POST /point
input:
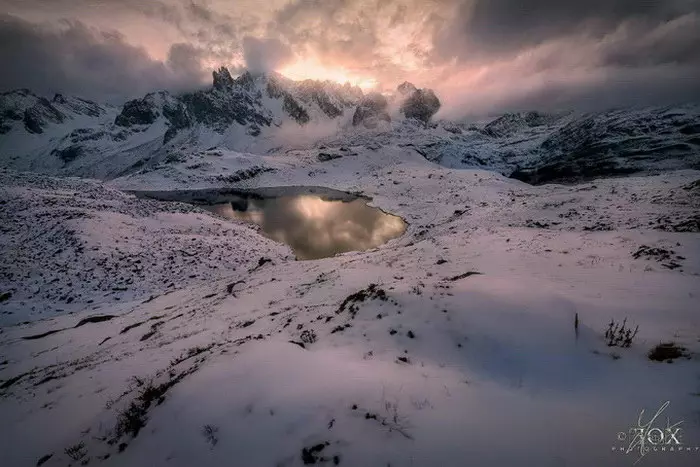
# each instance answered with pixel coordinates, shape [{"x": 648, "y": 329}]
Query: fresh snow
[
  {"x": 494, "y": 373},
  {"x": 454, "y": 344}
]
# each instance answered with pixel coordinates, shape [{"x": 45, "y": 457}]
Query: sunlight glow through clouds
[{"x": 313, "y": 69}]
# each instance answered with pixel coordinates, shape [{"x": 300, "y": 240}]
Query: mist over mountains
[{"x": 265, "y": 112}]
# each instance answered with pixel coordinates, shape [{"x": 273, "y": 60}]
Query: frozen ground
[{"x": 146, "y": 333}]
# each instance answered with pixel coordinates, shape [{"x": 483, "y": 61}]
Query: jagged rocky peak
[
  {"x": 40, "y": 114},
  {"x": 142, "y": 111},
  {"x": 246, "y": 80},
  {"x": 419, "y": 104},
  {"x": 34, "y": 111},
  {"x": 371, "y": 111},
  {"x": 222, "y": 78},
  {"x": 276, "y": 87}
]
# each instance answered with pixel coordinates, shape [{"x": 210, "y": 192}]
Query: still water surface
[
  {"x": 316, "y": 222},
  {"x": 315, "y": 227}
]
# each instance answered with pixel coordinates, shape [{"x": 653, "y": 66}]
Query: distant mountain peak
[
  {"x": 419, "y": 104},
  {"x": 222, "y": 78}
]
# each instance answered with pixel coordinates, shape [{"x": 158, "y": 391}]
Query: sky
[{"x": 480, "y": 56}]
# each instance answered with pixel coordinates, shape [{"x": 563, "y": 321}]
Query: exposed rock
[
  {"x": 32, "y": 123},
  {"x": 222, "y": 78},
  {"x": 68, "y": 154},
  {"x": 420, "y": 104},
  {"x": 371, "y": 111},
  {"x": 612, "y": 144},
  {"x": 253, "y": 130},
  {"x": 318, "y": 92},
  {"x": 294, "y": 110},
  {"x": 327, "y": 156},
  {"x": 246, "y": 81},
  {"x": 137, "y": 112},
  {"x": 40, "y": 114},
  {"x": 178, "y": 118},
  {"x": 511, "y": 123},
  {"x": 221, "y": 110}
]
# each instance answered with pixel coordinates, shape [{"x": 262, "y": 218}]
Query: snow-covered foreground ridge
[{"x": 144, "y": 333}]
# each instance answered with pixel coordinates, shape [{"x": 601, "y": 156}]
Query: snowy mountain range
[
  {"x": 262, "y": 113},
  {"x": 79, "y": 137}
]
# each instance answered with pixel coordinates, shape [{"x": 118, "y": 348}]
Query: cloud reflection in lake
[{"x": 317, "y": 228}]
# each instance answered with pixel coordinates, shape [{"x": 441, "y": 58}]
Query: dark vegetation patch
[
  {"x": 313, "y": 454},
  {"x": 76, "y": 452},
  {"x": 341, "y": 328},
  {"x": 619, "y": 335},
  {"x": 153, "y": 330},
  {"x": 308, "y": 336},
  {"x": 691, "y": 224},
  {"x": 390, "y": 418},
  {"x": 13, "y": 380},
  {"x": 598, "y": 227},
  {"x": 244, "y": 174},
  {"x": 210, "y": 433},
  {"x": 327, "y": 156},
  {"x": 43, "y": 334},
  {"x": 667, "y": 352},
  {"x": 300, "y": 344},
  {"x": 42, "y": 460},
  {"x": 191, "y": 352},
  {"x": 668, "y": 258},
  {"x": 94, "y": 319},
  {"x": 137, "y": 324},
  {"x": 351, "y": 302},
  {"x": 532, "y": 224},
  {"x": 133, "y": 418},
  {"x": 229, "y": 287},
  {"x": 463, "y": 276}
]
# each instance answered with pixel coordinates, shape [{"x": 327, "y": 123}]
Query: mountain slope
[
  {"x": 552, "y": 148},
  {"x": 71, "y": 136}
]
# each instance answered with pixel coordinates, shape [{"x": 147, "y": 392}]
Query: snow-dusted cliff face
[
  {"x": 78, "y": 137},
  {"x": 542, "y": 148}
]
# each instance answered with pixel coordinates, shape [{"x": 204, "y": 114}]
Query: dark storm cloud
[
  {"x": 76, "y": 59},
  {"x": 547, "y": 54},
  {"x": 194, "y": 19},
  {"x": 673, "y": 42},
  {"x": 480, "y": 55},
  {"x": 490, "y": 27}
]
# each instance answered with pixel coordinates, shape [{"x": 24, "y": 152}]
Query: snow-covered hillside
[{"x": 161, "y": 335}]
